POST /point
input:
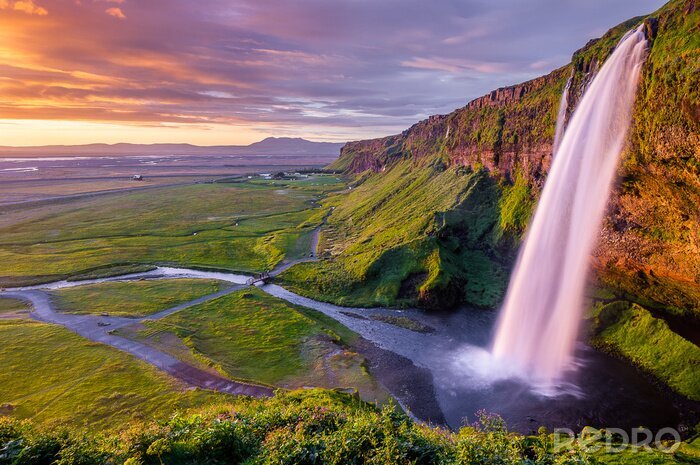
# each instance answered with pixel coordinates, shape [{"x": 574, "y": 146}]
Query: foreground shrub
[{"x": 311, "y": 427}]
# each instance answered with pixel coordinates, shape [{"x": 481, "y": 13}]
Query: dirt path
[{"x": 313, "y": 255}]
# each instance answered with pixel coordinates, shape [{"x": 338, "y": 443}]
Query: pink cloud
[
  {"x": 25, "y": 6},
  {"x": 116, "y": 12},
  {"x": 453, "y": 65}
]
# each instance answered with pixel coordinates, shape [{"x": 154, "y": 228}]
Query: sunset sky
[{"x": 230, "y": 72}]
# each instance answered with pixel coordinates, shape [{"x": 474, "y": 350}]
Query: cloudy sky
[{"x": 227, "y": 72}]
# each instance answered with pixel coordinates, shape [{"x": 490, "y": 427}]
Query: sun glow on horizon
[{"x": 25, "y": 133}]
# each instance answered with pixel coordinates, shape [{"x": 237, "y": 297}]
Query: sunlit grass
[
  {"x": 12, "y": 305},
  {"x": 238, "y": 226},
  {"x": 132, "y": 298},
  {"x": 250, "y": 335},
  {"x": 52, "y": 375},
  {"x": 630, "y": 331}
]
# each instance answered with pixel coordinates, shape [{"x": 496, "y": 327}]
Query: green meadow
[
  {"x": 132, "y": 298},
  {"x": 241, "y": 226},
  {"x": 53, "y": 376},
  {"x": 12, "y": 306},
  {"x": 313, "y": 427},
  {"x": 252, "y": 336}
]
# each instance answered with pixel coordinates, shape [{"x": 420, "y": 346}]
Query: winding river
[{"x": 602, "y": 392}]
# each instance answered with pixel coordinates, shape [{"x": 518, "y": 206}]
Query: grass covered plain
[
  {"x": 53, "y": 376},
  {"x": 250, "y": 335},
  {"x": 132, "y": 298},
  {"x": 239, "y": 226},
  {"x": 13, "y": 306},
  {"x": 307, "y": 427}
]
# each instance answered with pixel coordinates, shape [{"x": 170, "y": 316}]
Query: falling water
[
  {"x": 540, "y": 318},
  {"x": 561, "y": 114}
]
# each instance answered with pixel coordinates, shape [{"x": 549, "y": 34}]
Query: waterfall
[
  {"x": 561, "y": 114},
  {"x": 539, "y": 322}
]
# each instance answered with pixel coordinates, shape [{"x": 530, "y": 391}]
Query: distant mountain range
[{"x": 278, "y": 146}]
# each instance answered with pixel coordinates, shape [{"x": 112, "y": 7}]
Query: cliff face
[
  {"x": 507, "y": 130},
  {"x": 501, "y": 144},
  {"x": 650, "y": 244}
]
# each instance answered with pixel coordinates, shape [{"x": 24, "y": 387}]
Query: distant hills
[{"x": 278, "y": 146}]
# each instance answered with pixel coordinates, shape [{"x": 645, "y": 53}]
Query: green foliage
[
  {"x": 298, "y": 428},
  {"x": 132, "y": 298},
  {"x": 631, "y": 332}
]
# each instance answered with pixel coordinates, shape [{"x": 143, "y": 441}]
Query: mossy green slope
[
  {"x": 631, "y": 332},
  {"x": 392, "y": 240}
]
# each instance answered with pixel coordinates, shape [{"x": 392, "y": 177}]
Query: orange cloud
[
  {"x": 116, "y": 12},
  {"x": 29, "y": 7}
]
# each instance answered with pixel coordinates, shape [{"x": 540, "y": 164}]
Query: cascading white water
[
  {"x": 540, "y": 318},
  {"x": 561, "y": 114}
]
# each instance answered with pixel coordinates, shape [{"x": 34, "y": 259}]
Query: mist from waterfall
[{"x": 539, "y": 322}]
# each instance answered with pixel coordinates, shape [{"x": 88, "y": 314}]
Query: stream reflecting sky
[{"x": 218, "y": 72}]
